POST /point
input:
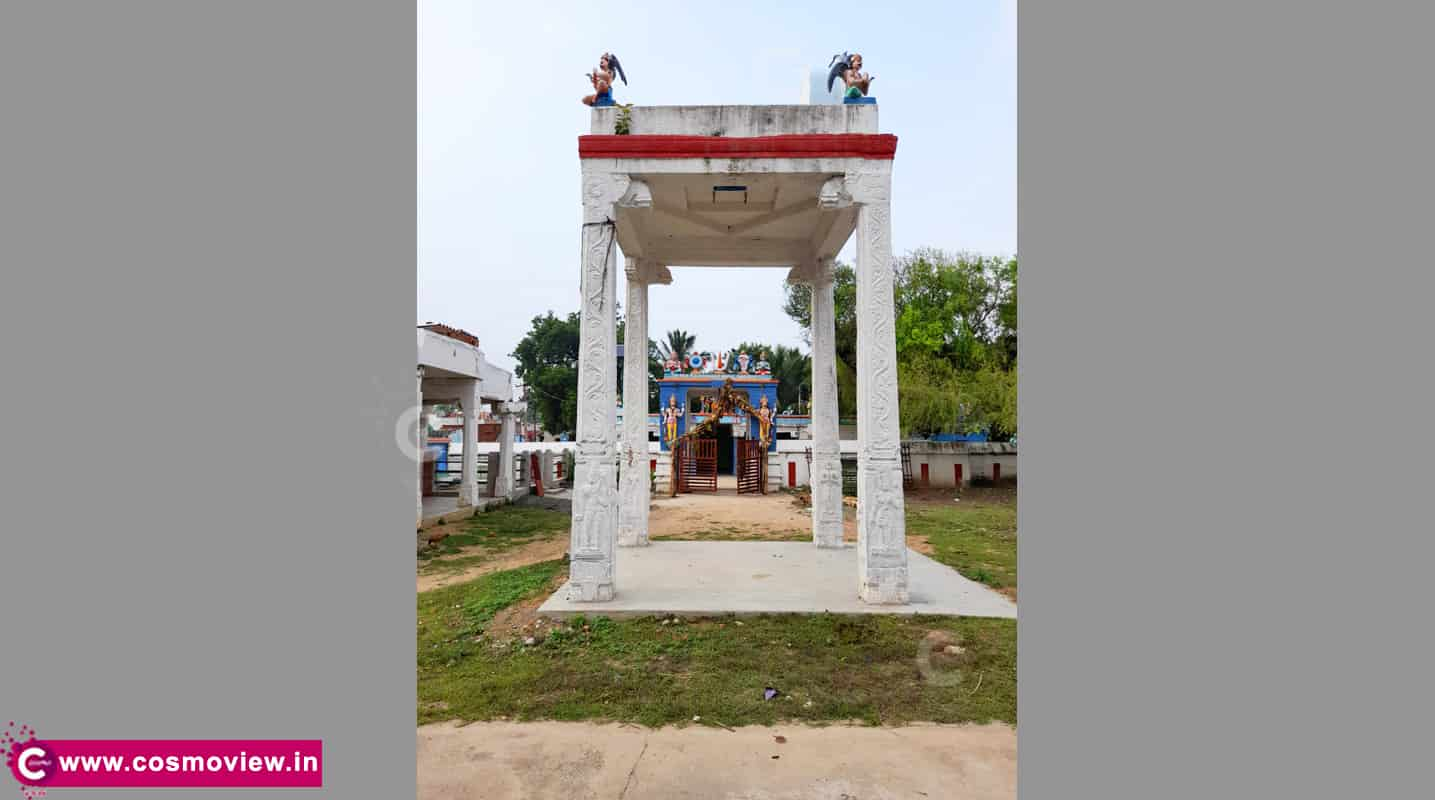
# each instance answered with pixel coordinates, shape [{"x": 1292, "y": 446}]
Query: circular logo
[{"x": 34, "y": 763}]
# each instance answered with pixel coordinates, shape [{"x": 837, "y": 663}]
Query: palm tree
[
  {"x": 792, "y": 369},
  {"x": 678, "y": 344}
]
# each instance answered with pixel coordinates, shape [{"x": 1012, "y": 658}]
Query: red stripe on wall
[{"x": 881, "y": 146}]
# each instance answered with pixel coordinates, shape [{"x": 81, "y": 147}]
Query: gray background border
[
  {"x": 1222, "y": 208},
  {"x": 209, "y": 280}
]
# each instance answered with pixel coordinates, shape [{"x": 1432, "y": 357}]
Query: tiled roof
[{"x": 452, "y": 333}]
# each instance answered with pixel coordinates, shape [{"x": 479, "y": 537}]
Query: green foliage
[
  {"x": 790, "y": 367},
  {"x": 955, "y": 326},
  {"x": 677, "y": 344},
  {"x": 623, "y": 126},
  {"x": 548, "y": 363}
]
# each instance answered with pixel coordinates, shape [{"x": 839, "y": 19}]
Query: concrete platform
[{"x": 715, "y": 578}]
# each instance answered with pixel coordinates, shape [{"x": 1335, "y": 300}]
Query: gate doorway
[
  {"x": 751, "y": 458},
  {"x": 697, "y": 465},
  {"x": 725, "y": 450}
]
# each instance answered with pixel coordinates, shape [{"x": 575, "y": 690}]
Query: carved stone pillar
[
  {"x": 468, "y": 492},
  {"x": 881, "y": 515},
  {"x": 633, "y": 476},
  {"x": 826, "y": 477},
  {"x": 595, "y": 491},
  {"x": 503, "y": 487}
]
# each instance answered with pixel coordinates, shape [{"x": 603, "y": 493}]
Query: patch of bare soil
[
  {"x": 521, "y": 620},
  {"x": 520, "y": 556},
  {"x": 727, "y": 513}
]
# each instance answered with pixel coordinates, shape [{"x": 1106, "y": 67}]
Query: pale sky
[{"x": 499, "y": 116}]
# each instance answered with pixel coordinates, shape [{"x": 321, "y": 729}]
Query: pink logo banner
[{"x": 167, "y": 763}]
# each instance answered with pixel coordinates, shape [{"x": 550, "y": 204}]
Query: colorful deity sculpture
[
  {"x": 670, "y": 419},
  {"x": 762, "y": 367},
  {"x": 602, "y": 80},
  {"x": 848, "y": 67},
  {"x": 764, "y": 420},
  {"x": 743, "y": 360},
  {"x": 671, "y": 366}
]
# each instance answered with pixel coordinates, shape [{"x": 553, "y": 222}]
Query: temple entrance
[{"x": 725, "y": 450}]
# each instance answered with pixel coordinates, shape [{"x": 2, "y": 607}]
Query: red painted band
[{"x": 881, "y": 146}]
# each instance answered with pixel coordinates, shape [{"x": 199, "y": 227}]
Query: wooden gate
[
  {"x": 906, "y": 466},
  {"x": 750, "y": 457},
  {"x": 697, "y": 461}
]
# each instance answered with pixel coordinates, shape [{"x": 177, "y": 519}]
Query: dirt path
[
  {"x": 510, "y": 760},
  {"x": 531, "y": 553}
]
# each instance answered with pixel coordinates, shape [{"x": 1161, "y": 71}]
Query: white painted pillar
[
  {"x": 634, "y": 492},
  {"x": 468, "y": 493},
  {"x": 595, "y": 489},
  {"x": 506, "y": 430},
  {"x": 419, "y": 440},
  {"x": 881, "y": 514},
  {"x": 826, "y": 477}
]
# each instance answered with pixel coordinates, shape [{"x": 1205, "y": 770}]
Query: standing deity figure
[
  {"x": 743, "y": 359},
  {"x": 764, "y": 420},
  {"x": 762, "y": 367},
  {"x": 670, "y": 419},
  {"x": 602, "y": 80},
  {"x": 848, "y": 67}
]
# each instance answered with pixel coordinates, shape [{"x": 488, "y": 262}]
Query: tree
[
  {"x": 790, "y": 367},
  {"x": 956, "y": 337},
  {"x": 677, "y": 344},
  {"x": 548, "y": 364},
  {"x": 798, "y": 305}
]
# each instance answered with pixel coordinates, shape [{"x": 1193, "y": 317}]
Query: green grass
[
  {"x": 485, "y": 535},
  {"x": 977, "y": 539},
  {"x": 829, "y": 668}
]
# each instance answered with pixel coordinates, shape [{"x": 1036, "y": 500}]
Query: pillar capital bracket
[
  {"x": 871, "y": 183},
  {"x": 646, "y": 270},
  {"x": 833, "y": 194},
  {"x": 814, "y": 272},
  {"x": 604, "y": 191},
  {"x": 511, "y": 407}
]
